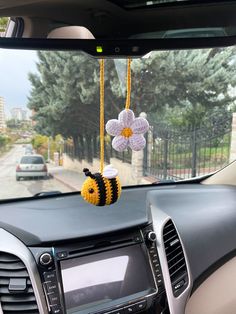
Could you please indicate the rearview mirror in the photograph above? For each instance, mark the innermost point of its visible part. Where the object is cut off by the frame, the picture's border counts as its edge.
(119, 28)
(116, 48)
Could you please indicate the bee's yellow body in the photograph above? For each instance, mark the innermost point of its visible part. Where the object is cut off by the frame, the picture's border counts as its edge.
(99, 190)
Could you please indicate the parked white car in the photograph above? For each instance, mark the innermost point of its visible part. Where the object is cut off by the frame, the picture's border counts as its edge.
(31, 166)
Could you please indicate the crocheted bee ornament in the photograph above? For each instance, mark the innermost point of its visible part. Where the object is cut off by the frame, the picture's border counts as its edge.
(101, 189)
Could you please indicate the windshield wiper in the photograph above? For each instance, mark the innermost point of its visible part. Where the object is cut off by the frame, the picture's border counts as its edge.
(164, 181)
(46, 193)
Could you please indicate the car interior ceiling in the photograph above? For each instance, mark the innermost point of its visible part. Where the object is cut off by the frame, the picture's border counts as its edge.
(107, 20)
(163, 248)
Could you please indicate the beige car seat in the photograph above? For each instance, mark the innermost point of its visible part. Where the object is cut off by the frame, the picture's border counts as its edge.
(71, 32)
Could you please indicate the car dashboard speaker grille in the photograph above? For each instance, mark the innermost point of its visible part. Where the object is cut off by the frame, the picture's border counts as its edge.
(175, 259)
(16, 291)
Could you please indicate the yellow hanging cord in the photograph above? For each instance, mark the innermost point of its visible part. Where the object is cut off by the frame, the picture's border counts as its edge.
(128, 83)
(102, 122)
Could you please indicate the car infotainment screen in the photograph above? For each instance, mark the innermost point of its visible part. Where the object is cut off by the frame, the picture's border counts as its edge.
(94, 280)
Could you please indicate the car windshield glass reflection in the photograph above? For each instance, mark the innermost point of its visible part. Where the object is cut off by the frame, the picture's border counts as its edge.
(32, 160)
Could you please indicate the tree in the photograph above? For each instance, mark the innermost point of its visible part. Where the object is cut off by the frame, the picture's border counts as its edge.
(65, 86)
(181, 86)
(191, 81)
(65, 96)
(3, 23)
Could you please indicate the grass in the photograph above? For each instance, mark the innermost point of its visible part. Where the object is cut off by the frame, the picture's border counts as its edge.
(206, 157)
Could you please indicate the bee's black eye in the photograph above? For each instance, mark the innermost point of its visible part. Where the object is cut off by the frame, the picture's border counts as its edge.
(91, 191)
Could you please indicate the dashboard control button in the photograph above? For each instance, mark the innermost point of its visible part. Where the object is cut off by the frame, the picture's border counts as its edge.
(118, 311)
(140, 306)
(130, 309)
(151, 236)
(56, 309)
(62, 254)
(45, 259)
(157, 272)
(53, 299)
(51, 287)
(50, 276)
(156, 265)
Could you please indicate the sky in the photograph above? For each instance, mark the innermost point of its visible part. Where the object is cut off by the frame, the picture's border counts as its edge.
(14, 84)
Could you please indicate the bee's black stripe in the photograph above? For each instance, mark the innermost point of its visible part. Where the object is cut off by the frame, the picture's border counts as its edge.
(114, 187)
(101, 189)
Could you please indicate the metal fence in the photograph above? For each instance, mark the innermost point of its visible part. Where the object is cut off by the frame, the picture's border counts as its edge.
(125, 156)
(88, 149)
(168, 154)
(187, 153)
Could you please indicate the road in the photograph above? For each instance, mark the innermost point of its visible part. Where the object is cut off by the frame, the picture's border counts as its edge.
(10, 188)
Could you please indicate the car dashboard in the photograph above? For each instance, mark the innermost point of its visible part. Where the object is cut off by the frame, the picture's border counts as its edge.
(145, 254)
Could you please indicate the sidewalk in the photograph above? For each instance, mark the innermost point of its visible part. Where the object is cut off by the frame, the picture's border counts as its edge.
(72, 179)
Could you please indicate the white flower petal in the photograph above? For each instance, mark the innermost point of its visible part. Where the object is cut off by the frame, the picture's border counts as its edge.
(126, 117)
(120, 143)
(114, 127)
(140, 126)
(137, 142)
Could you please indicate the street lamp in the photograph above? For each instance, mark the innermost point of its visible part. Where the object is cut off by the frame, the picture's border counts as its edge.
(49, 139)
(61, 143)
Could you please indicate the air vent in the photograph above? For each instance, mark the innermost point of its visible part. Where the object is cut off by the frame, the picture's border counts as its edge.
(16, 291)
(175, 258)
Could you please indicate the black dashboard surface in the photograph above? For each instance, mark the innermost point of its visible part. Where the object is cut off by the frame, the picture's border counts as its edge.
(69, 217)
(204, 215)
(206, 220)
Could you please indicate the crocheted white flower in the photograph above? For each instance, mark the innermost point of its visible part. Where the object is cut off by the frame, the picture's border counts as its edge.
(128, 131)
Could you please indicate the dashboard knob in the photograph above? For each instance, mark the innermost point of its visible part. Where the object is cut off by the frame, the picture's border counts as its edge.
(45, 259)
(151, 236)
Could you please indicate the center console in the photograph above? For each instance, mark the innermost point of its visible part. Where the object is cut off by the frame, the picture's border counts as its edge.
(118, 274)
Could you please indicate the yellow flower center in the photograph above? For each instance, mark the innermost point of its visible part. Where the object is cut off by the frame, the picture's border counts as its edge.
(126, 132)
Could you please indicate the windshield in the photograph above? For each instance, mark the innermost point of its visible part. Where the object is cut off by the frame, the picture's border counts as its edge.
(49, 117)
(32, 160)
